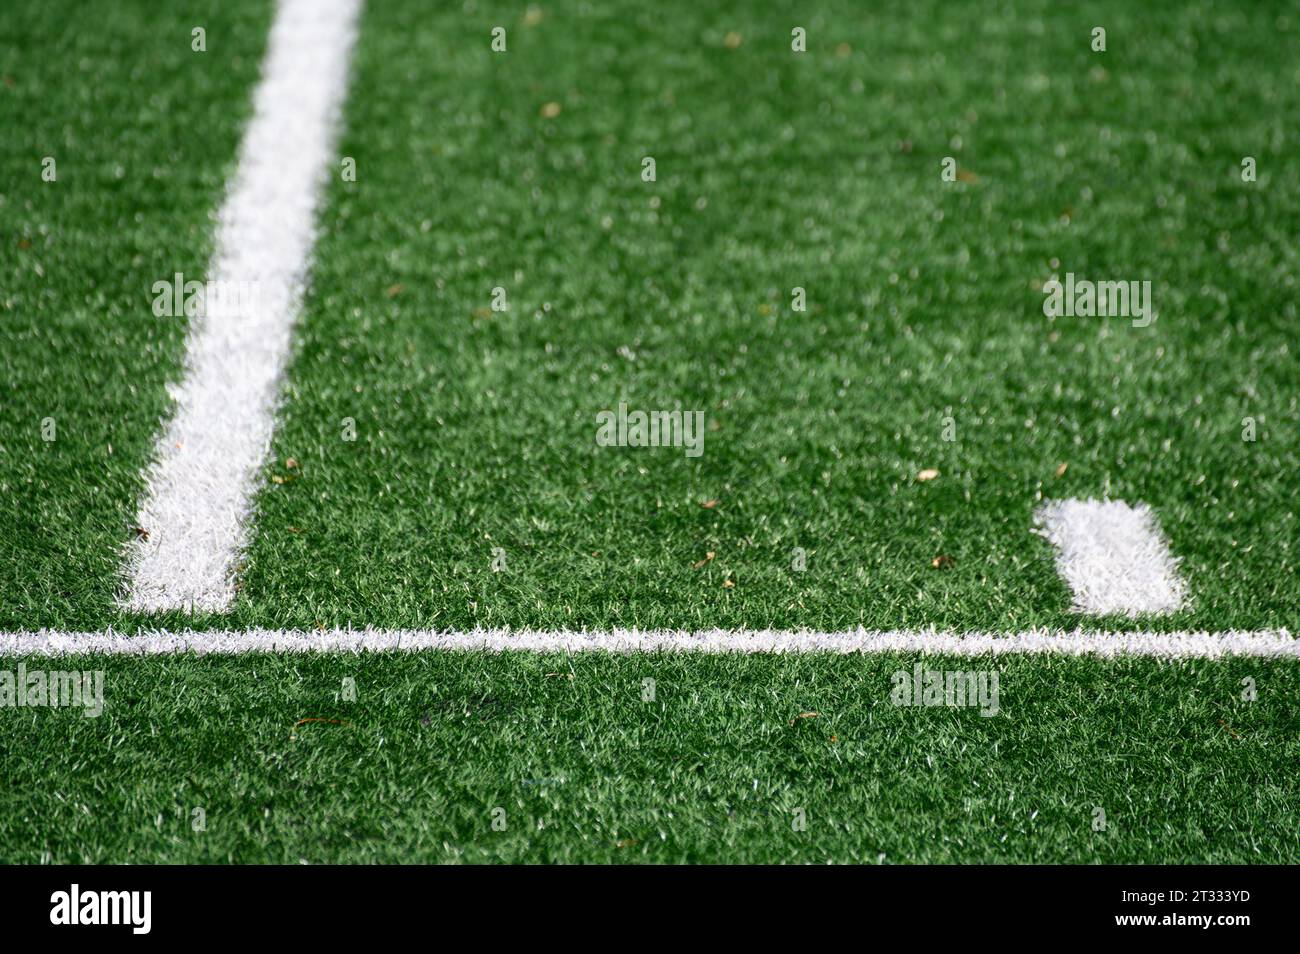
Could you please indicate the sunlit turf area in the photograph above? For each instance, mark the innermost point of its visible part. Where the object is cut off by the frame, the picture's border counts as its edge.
(883, 406)
(476, 428)
(142, 132)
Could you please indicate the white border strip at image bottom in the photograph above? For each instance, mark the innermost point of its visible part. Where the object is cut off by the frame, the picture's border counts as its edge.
(1199, 645)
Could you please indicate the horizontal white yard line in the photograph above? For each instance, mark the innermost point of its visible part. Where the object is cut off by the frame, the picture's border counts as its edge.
(199, 491)
(1113, 556)
(1060, 642)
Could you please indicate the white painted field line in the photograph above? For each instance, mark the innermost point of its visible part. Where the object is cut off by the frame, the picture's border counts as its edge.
(1038, 641)
(1113, 556)
(200, 490)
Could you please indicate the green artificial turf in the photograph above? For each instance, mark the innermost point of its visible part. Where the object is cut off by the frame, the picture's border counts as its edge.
(143, 131)
(712, 770)
(476, 428)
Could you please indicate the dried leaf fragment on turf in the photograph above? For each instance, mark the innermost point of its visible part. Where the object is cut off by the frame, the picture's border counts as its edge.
(942, 562)
(707, 557)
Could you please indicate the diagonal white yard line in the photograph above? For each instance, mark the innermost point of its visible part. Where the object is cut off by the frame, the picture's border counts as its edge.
(200, 490)
(1113, 556)
(1038, 641)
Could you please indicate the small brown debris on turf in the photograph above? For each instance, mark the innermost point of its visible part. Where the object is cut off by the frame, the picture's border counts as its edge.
(710, 504)
(728, 584)
(625, 843)
(1229, 728)
(733, 40)
(805, 715)
(291, 463)
(928, 474)
(707, 557)
(1060, 471)
(324, 721)
(394, 290)
(551, 110)
(965, 175)
(141, 533)
(942, 561)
